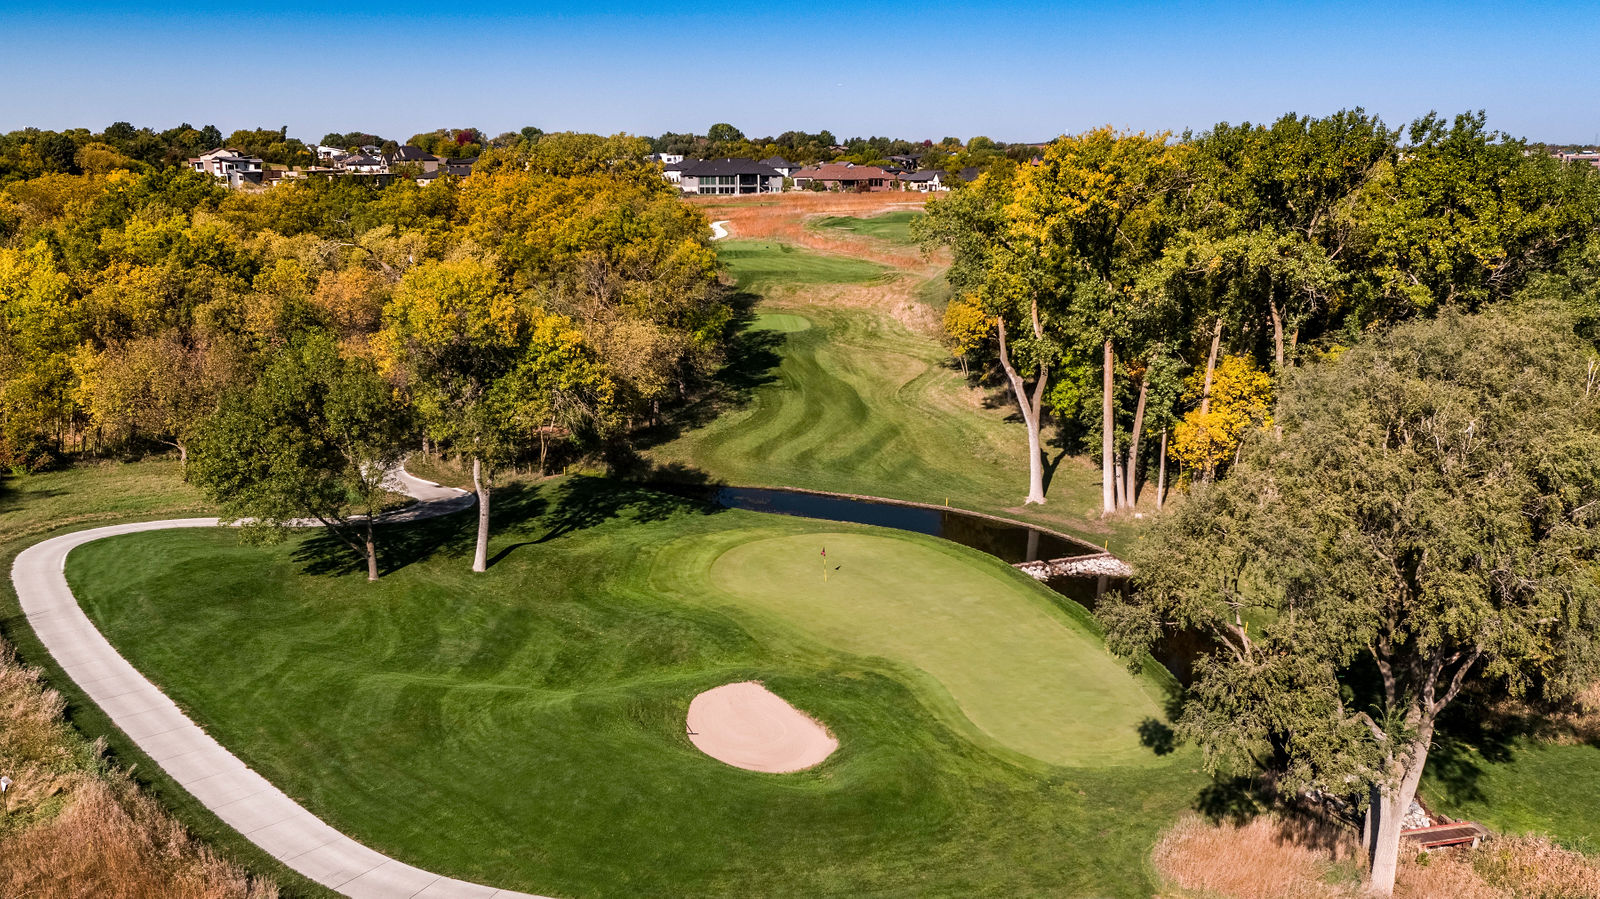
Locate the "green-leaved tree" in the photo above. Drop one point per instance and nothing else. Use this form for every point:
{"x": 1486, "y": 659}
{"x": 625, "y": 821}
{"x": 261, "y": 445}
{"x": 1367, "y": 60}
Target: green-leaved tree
{"x": 1428, "y": 518}
{"x": 314, "y": 438}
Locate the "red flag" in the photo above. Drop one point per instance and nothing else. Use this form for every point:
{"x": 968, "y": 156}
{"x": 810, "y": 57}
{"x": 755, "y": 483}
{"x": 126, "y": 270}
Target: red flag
{"x": 824, "y": 552}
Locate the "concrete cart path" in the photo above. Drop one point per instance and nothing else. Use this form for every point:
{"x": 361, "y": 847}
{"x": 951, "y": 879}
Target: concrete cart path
{"x": 239, "y": 796}
{"x": 717, "y": 231}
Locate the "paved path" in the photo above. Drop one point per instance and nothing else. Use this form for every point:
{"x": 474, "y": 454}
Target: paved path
{"x": 717, "y": 231}
{"x": 239, "y": 796}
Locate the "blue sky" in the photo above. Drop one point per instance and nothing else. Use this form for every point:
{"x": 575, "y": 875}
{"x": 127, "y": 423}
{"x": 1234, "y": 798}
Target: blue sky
{"x": 1010, "y": 70}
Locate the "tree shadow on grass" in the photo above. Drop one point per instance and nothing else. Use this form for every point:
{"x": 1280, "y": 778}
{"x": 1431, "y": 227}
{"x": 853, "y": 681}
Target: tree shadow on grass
{"x": 751, "y": 362}
{"x": 580, "y": 503}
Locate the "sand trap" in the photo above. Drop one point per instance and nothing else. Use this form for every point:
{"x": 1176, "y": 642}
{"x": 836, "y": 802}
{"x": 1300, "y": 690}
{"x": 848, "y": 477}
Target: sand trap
{"x": 748, "y": 726}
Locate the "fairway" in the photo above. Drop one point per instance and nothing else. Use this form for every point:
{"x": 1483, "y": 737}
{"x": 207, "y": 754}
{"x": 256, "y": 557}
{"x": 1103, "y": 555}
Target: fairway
{"x": 857, "y": 402}
{"x": 1024, "y": 674}
{"x": 890, "y": 227}
{"x": 525, "y": 727}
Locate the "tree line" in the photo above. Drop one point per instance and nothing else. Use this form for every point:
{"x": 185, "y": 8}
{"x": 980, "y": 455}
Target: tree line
{"x": 1150, "y": 291}
{"x": 1373, "y": 350}
{"x": 291, "y": 344}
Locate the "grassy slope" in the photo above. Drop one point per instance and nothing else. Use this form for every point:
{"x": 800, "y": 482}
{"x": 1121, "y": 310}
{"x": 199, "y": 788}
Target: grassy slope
{"x": 525, "y": 726}
{"x": 858, "y": 403}
{"x": 1528, "y": 787}
{"x": 35, "y": 507}
{"x": 891, "y": 227}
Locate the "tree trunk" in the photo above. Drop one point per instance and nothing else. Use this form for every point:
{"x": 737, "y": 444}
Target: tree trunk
{"x": 1031, "y": 408}
{"x": 372, "y": 557}
{"x": 1108, "y": 449}
{"x": 1390, "y": 806}
{"x": 1122, "y": 487}
{"x": 1161, "y": 478}
{"x": 1211, "y": 367}
{"x": 480, "y": 484}
{"x": 1131, "y": 493}
{"x": 1277, "y": 331}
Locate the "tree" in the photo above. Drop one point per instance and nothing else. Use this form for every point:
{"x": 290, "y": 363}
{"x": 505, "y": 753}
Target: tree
{"x": 1237, "y": 401}
{"x": 966, "y": 327}
{"x": 159, "y": 387}
{"x": 723, "y": 133}
{"x": 315, "y": 437}
{"x": 451, "y": 332}
{"x": 1429, "y": 519}
{"x": 1094, "y": 212}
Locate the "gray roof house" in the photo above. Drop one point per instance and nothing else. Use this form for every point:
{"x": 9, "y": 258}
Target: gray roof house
{"x": 729, "y": 176}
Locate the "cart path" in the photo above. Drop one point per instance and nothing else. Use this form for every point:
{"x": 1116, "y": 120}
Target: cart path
{"x": 240, "y": 797}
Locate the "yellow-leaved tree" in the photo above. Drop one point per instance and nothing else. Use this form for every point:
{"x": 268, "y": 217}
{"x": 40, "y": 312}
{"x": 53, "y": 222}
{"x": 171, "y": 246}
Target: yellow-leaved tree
{"x": 1238, "y": 401}
{"x": 966, "y": 326}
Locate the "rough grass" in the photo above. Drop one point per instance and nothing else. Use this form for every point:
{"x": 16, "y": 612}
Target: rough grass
{"x": 1274, "y": 858}
{"x": 75, "y": 825}
{"x": 524, "y": 727}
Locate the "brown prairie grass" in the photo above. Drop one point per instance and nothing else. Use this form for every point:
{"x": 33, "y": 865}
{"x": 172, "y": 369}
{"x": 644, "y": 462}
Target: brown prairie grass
{"x": 73, "y": 828}
{"x": 1277, "y": 858}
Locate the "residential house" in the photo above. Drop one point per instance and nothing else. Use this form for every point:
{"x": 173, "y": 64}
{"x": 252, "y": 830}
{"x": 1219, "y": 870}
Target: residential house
{"x": 362, "y": 164}
{"x": 673, "y": 171}
{"x": 1585, "y": 157}
{"x": 845, "y": 176}
{"x": 729, "y": 176}
{"x": 665, "y": 158}
{"x": 414, "y": 156}
{"x": 925, "y": 181}
{"x": 783, "y": 166}
{"x": 460, "y": 168}
{"x": 229, "y": 165}
{"x": 909, "y": 161}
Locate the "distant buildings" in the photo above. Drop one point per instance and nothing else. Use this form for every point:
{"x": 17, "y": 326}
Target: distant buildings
{"x": 728, "y": 176}
{"x": 845, "y": 176}
{"x": 1587, "y": 157}
{"x": 229, "y": 165}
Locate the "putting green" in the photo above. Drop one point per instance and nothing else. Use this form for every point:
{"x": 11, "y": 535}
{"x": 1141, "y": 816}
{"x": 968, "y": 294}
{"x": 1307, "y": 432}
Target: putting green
{"x": 525, "y": 726}
{"x": 782, "y": 322}
{"x": 1017, "y": 668}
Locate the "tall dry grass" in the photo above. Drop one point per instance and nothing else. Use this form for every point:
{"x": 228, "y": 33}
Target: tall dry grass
{"x": 75, "y": 828}
{"x": 1275, "y": 858}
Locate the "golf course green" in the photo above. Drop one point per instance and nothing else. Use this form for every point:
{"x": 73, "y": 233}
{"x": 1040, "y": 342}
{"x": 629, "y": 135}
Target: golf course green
{"x": 525, "y": 727}
{"x": 890, "y": 227}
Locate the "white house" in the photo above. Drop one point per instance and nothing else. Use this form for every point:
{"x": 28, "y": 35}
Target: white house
{"x": 229, "y": 165}
{"x": 925, "y": 181}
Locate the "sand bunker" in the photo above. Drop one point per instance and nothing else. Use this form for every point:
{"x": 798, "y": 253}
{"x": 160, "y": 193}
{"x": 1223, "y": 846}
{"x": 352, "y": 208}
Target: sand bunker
{"x": 748, "y": 726}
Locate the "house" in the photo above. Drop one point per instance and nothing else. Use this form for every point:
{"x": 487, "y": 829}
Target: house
{"x": 1588, "y": 157}
{"x": 409, "y": 155}
{"x": 229, "y": 165}
{"x": 362, "y": 164}
{"x": 925, "y": 182}
{"x": 784, "y": 166}
{"x": 910, "y": 161}
{"x": 460, "y": 168}
{"x": 845, "y": 176}
{"x": 969, "y": 174}
{"x": 729, "y": 176}
{"x": 327, "y": 153}
{"x": 665, "y": 158}
{"x": 673, "y": 171}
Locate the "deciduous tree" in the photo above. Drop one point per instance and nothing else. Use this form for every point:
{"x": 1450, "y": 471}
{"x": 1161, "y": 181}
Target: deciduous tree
{"x": 1429, "y": 518}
